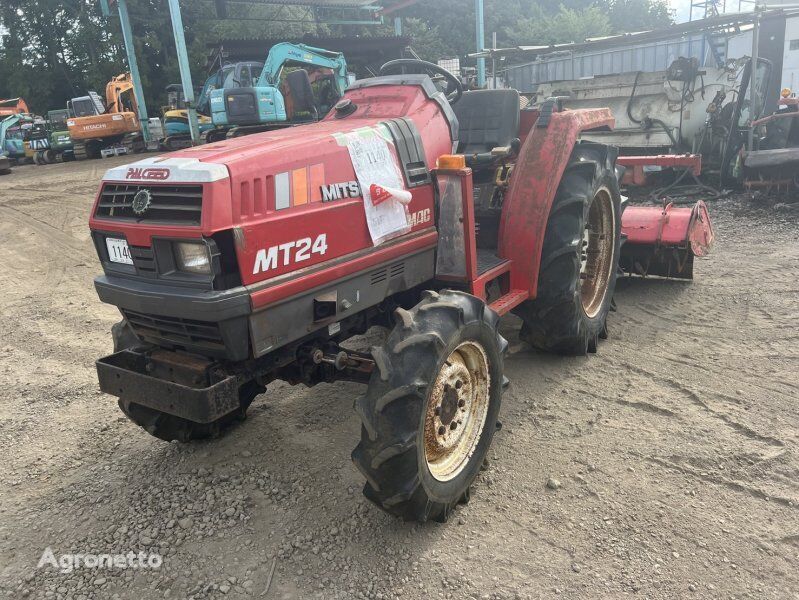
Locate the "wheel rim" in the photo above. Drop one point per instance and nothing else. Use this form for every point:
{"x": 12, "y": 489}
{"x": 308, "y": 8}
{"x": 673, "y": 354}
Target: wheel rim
{"x": 596, "y": 263}
{"x": 456, "y": 411}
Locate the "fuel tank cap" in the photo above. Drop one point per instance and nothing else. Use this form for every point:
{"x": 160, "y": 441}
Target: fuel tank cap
{"x": 345, "y": 108}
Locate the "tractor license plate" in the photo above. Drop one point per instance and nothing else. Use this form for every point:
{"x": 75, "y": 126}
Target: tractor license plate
{"x": 118, "y": 251}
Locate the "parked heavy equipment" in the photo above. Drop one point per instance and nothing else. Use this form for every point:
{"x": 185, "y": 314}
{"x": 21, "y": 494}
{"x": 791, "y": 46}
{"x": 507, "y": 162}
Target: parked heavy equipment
{"x": 108, "y": 128}
{"x": 13, "y": 106}
{"x": 682, "y": 117}
{"x": 49, "y": 138}
{"x": 14, "y": 130}
{"x": 430, "y": 211}
{"x": 12, "y": 149}
{"x": 658, "y": 111}
{"x": 773, "y": 164}
{"x": 297, "y": 83}
{"x": 176, "y": 116}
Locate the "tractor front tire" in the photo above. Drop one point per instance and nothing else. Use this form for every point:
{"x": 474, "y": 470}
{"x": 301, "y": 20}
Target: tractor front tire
{"x": 430, "y": 411}
{"x": 580, "y": 257}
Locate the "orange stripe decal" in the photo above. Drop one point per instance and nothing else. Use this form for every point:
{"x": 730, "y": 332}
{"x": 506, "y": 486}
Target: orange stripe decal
{"x": 300, "y": 186}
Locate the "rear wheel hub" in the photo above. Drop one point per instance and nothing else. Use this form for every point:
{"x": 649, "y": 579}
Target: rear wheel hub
{"x": 596, "y": 264}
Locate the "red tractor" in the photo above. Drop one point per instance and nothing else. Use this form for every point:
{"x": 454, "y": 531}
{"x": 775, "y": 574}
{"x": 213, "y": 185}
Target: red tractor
{"x": 430, "y": 211}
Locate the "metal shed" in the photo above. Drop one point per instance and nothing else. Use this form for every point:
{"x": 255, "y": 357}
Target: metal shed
{"x": 644, "y": 51}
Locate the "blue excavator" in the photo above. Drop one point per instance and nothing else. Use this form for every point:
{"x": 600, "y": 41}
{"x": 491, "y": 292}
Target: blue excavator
{"x": 13, "y": 130}
{"x": 175, "y": 114}
{"x": 297, "y": 84}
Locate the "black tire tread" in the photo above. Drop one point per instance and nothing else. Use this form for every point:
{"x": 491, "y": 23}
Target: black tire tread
{"x": 391, "y": 409}
{"x": 554, "y": 321}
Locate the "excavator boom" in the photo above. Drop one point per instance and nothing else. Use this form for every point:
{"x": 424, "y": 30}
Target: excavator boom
{"x": 13, "y": 106}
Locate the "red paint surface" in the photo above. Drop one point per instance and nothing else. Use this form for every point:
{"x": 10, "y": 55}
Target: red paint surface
{"x": 635, "y": 174}
{"x": 542, "y": 160}
{"x": 247, "y": 199}
{"x": 681, "y": 227}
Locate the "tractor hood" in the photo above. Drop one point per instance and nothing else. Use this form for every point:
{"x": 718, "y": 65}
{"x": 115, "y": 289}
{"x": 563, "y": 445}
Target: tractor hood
{"x": 250, "y": 158}
{"x": 427, "y": 125}
{"x": 275, "y": 151}
{"x": 290, "y": 187}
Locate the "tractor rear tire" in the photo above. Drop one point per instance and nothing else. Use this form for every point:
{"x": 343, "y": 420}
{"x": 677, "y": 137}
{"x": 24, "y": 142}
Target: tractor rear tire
{"x": 430, "y": 411}
{"x": 171, "y": 428}
{"x": 580, "y": 257}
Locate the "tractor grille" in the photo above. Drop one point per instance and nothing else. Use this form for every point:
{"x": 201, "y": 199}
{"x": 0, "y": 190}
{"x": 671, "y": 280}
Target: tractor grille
{"x": 174, "y": 204}
{"x": 177, "y": 332}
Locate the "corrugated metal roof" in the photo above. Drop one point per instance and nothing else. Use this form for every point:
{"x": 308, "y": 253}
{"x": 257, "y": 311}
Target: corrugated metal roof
{"x": 719, "y": 23}
{"x": 648, "y": 52}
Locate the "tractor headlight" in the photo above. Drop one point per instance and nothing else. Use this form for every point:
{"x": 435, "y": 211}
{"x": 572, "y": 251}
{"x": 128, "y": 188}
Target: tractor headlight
{"x": 191, "y": 257}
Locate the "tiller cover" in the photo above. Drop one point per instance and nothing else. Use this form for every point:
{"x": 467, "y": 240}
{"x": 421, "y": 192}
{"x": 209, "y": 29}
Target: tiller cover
{"x": 663, "y": 241}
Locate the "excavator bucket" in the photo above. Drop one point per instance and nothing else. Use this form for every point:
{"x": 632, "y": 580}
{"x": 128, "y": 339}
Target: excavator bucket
{"x": 663, "y": 241}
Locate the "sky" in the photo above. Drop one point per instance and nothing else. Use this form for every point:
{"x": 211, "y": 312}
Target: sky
{"x": 682, "y": 8}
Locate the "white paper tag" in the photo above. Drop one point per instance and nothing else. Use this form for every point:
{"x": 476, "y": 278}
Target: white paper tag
{"x": 374, "y": 163}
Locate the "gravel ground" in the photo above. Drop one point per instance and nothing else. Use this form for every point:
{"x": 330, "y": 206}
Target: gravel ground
{"x": 665, "y": 466}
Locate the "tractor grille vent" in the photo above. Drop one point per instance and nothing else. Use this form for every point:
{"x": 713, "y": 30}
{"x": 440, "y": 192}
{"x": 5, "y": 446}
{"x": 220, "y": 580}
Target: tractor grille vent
{"x": 396, "y": 270}
{"x": 379, "y": 276}
{"x": 176, "y": 332}
{"x": 175, "y": 204}
{"x": 390, "y": 272}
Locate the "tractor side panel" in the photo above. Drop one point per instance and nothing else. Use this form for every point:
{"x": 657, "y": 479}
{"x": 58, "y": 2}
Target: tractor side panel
{"x": 534, "y": 182}
{"x": 308, "y": 193}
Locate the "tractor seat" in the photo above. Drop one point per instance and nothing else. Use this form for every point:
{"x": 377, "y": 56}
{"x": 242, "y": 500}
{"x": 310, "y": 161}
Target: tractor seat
{"x": 488, "y": 119}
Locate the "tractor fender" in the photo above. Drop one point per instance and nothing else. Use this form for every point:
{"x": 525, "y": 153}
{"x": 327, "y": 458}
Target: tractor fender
{"x": 535, "y": 179}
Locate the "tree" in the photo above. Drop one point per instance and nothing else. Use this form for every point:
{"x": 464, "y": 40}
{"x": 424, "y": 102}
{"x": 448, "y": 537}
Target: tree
{"x": 568, "y": 25}
{"x": 53, "y": 50}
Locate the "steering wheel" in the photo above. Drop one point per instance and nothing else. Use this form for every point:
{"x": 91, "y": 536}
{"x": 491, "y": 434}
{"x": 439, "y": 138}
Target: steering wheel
{"x": 454, "y": 86}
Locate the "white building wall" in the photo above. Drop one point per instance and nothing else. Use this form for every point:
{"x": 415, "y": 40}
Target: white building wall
{"x": 790, "y": 60}
{"x": 740, "y": 45}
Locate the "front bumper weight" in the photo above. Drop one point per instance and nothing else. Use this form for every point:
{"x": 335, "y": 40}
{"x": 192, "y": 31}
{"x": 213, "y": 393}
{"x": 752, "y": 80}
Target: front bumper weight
{"x": 124, "y": 375}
